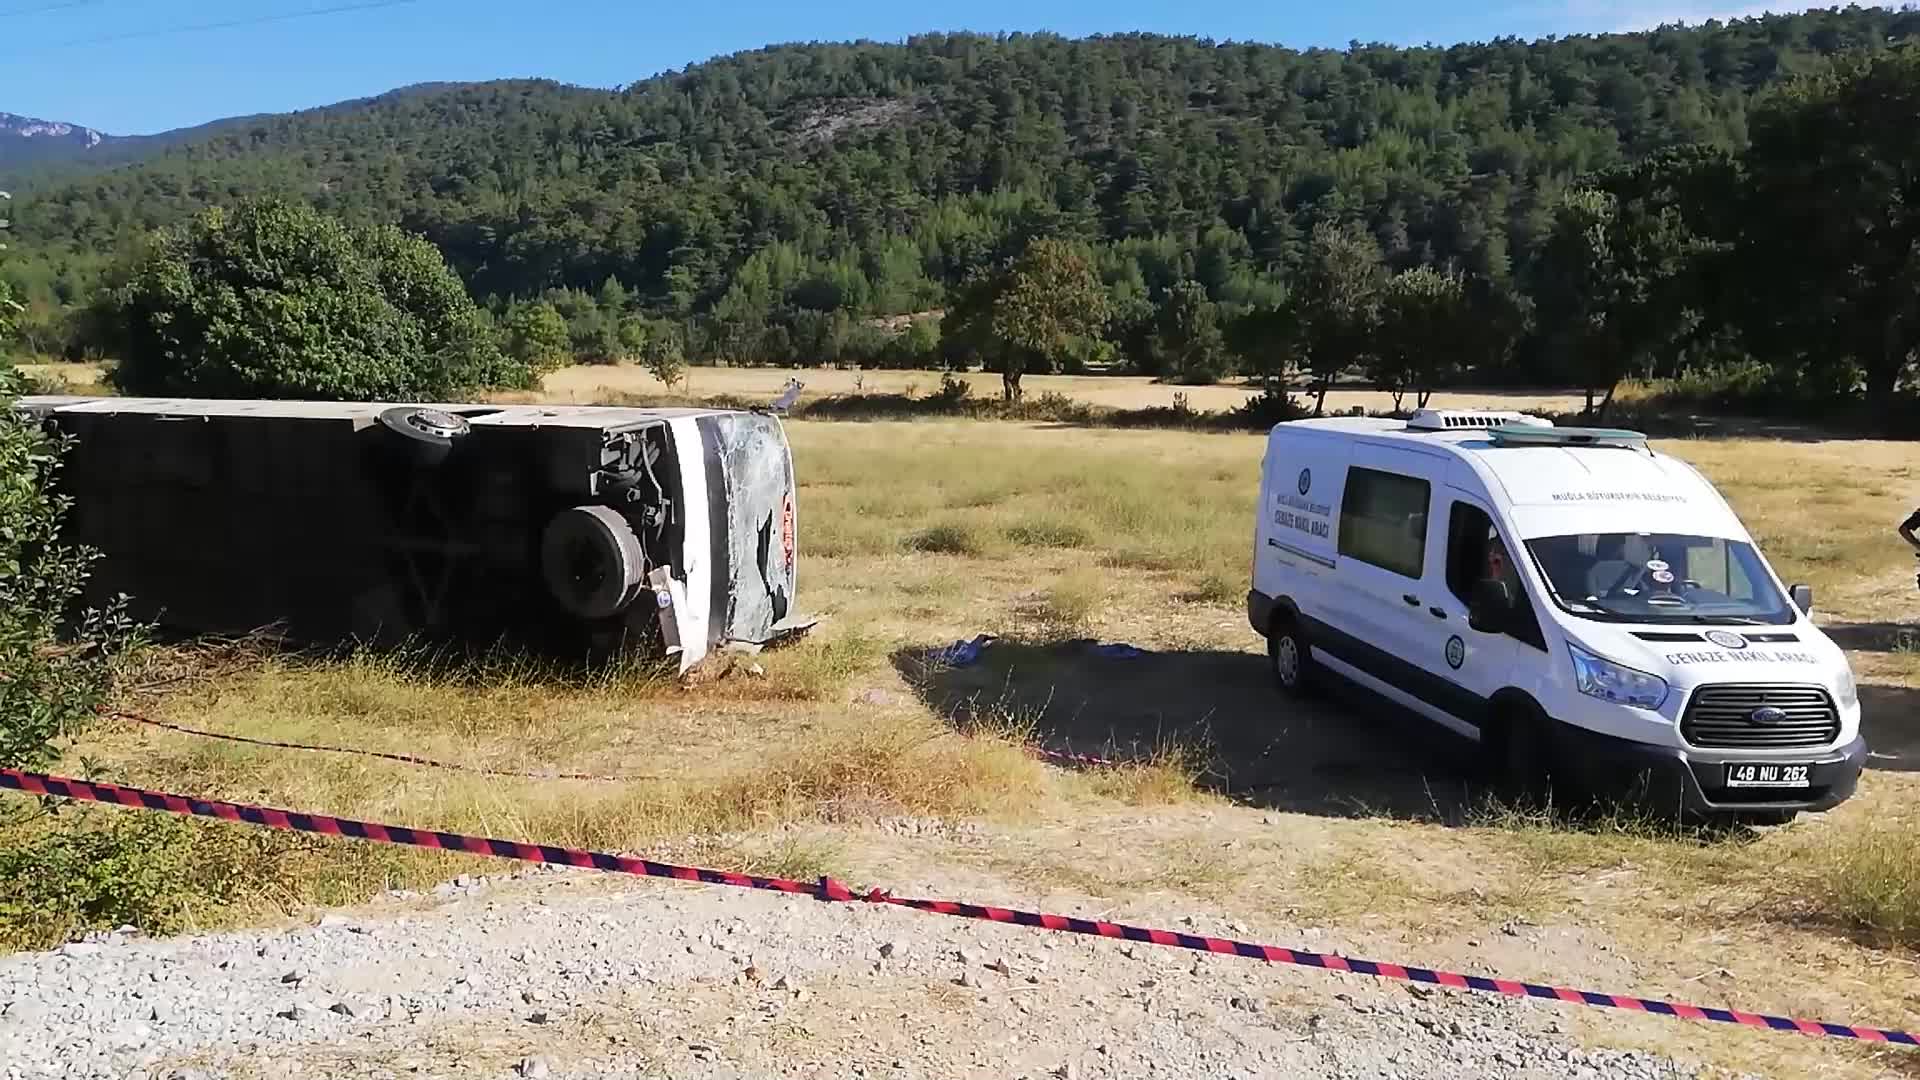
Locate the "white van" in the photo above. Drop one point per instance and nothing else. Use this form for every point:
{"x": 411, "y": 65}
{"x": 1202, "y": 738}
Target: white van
{"x": 1590, "y": 611}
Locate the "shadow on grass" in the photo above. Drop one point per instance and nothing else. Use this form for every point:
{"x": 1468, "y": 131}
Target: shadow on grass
{"x": 1346, "y": 753}
{"x": 1875, "y": 637}
{"x": 1890, "y": 720}
{"x": 1340, "y": 756}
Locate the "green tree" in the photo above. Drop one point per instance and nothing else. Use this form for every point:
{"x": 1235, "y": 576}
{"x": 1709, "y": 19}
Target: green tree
{"x": 1427, "y": 333}
{"x": 10, "y": 310}
{"x": 277, "y": 300}
{"x": 537, "y": 337}
{"x": 665, "y": 358}
{"x": 1189, "y": 337}
{"x": 57, "y": 663}
{"x": 1610, "y": 288}
{"x": 1049, "y": 296}
{"x": 966, "y": 328}
{"x": 634, "y": 334}
{"x": 1267, "y": 341}
{"x": 613, "y": 297}
{"x": 1339, "y": 303}
{"x": 1832, "y": 243}
{"x": 595, "y": 337}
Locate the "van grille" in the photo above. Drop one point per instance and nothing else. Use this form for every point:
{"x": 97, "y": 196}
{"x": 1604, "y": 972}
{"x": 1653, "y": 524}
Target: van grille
{"x": 1723, "y": 716}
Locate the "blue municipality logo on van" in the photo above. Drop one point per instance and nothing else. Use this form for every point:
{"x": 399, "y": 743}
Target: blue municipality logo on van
{"x": 1726, "y": 639}
{"x": 1767, "y": 715}
{"x": 1306, "y": 480}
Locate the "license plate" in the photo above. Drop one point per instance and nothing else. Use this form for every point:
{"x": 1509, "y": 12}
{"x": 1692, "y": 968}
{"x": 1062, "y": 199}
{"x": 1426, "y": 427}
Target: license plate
{"x": 1753, "y": 774}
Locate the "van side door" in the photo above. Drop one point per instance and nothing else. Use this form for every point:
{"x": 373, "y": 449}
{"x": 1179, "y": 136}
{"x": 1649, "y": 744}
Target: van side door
{"x": 1377, "y": 611}
{"x": 1479, "y": 664}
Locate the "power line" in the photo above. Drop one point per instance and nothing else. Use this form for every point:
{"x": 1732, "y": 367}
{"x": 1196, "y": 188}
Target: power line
{"x": 44, "y": 8}
{"x": 251, "y": 20}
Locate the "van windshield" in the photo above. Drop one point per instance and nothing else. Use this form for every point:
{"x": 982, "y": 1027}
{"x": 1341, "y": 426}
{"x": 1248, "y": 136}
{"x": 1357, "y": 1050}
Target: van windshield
{"x": 1659, "y": 578}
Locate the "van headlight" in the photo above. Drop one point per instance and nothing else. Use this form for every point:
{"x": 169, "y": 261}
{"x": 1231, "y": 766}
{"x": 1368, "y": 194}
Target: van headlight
{"x": 1849, "y": 692}
{"x": 1609, "y": 681}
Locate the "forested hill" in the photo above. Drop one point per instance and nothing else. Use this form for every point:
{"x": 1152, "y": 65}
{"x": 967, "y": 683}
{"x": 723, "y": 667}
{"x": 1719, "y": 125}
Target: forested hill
{"x": 871, "y": 178}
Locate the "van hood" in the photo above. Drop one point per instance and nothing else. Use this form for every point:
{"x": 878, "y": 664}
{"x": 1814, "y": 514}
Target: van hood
{"x": 1688, "y": 657}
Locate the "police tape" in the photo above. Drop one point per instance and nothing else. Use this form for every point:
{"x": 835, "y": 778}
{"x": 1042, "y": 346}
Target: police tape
{"x": 827, "y": 889}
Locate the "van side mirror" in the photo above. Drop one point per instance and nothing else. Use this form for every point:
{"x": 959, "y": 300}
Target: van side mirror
{"x": 1491, "y": 611}
{"x": 1803, "y": 598}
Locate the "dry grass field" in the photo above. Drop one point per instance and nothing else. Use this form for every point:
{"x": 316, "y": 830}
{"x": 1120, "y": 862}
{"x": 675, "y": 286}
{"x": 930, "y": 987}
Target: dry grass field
{"x": 586, "y": 384}
{"x": 589, "y": 384}
{"x": 1341, "y": 814}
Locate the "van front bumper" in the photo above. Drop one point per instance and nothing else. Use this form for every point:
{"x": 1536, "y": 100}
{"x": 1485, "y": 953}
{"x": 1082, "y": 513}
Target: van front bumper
{"x": 1692, "y": 783}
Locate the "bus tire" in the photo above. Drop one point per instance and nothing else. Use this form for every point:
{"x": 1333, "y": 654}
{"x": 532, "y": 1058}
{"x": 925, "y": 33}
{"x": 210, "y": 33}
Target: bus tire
{"x": 592, "y": 562}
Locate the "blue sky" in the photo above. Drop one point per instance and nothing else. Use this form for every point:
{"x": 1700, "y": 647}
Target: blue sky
{"x": 55, "y": 65}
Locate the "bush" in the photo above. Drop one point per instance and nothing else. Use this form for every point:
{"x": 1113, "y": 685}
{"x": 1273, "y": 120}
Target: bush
{"x": 113, "y": 868}
{"x": 1053, "y": 407}
{"x": 56, "y": 663}
{"x": 1873, "y": 882}
{"x": 278, "y": 300}
{"x": 1267, "y": 408}
{"x": 953, "y": 392}
{"x": 952, "y": 538}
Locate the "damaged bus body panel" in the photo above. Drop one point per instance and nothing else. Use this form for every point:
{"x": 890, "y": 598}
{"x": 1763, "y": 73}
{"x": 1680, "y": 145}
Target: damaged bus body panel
{"x": 593, "y": 528}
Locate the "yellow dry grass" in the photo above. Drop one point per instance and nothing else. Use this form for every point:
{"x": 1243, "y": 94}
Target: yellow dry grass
{"x": 68, "y": 378}
{"x": 583, "y": 384}
{"x": 917, "y": 534}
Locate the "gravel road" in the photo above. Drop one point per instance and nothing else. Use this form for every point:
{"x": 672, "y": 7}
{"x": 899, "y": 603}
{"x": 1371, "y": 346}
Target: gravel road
{"x": 563, "y": 973}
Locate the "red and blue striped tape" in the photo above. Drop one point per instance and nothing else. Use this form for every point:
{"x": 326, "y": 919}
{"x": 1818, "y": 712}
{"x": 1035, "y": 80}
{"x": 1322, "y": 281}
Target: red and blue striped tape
{"x": 831, "y": 890}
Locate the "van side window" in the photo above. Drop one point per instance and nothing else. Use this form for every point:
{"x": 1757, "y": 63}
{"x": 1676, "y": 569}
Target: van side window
{"x": 1467, "y": 530}
{"x": 1383, "y": 520}
{"x": 1469, "y": 535}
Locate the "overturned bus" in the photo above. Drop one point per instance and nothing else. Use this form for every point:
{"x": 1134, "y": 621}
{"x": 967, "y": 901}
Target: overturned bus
{"x": 590, "y": 529}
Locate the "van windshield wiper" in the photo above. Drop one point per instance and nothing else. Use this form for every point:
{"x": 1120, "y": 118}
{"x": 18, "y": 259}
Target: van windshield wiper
{"x": 1737, "y": 620}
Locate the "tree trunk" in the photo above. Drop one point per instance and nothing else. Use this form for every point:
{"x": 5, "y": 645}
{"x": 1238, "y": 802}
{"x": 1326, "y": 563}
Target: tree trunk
{"x": 1421, "y": 398}
{"x": 1605, "y": 401}
{"x": 1587, "y": 413}
{"x": 1399, "y": 394}
{"x": 1883, "y": 377}
{"x": 1320, "y": 389}
{"x": 1010, "y": 384}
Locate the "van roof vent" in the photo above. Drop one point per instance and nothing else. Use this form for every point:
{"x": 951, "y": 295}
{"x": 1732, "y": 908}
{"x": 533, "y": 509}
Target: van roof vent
{"x": 1456, "y": 419}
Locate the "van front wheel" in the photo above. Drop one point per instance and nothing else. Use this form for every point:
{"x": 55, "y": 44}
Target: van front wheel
{"x": 1515, "y": 753}
{"x": 1289, "y": 658}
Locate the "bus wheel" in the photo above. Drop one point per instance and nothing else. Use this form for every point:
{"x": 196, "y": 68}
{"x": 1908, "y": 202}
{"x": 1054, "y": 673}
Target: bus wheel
{"x": 592, "y": 562}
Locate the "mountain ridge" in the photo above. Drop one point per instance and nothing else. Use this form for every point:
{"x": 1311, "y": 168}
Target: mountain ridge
{"x": 871, "y": 179}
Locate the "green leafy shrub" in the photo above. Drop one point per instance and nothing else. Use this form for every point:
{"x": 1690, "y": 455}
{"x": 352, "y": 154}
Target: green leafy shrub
{"x": 278, "y": 300}
{"x": 113, "y": 868}
{"x": 56, "y": 662}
